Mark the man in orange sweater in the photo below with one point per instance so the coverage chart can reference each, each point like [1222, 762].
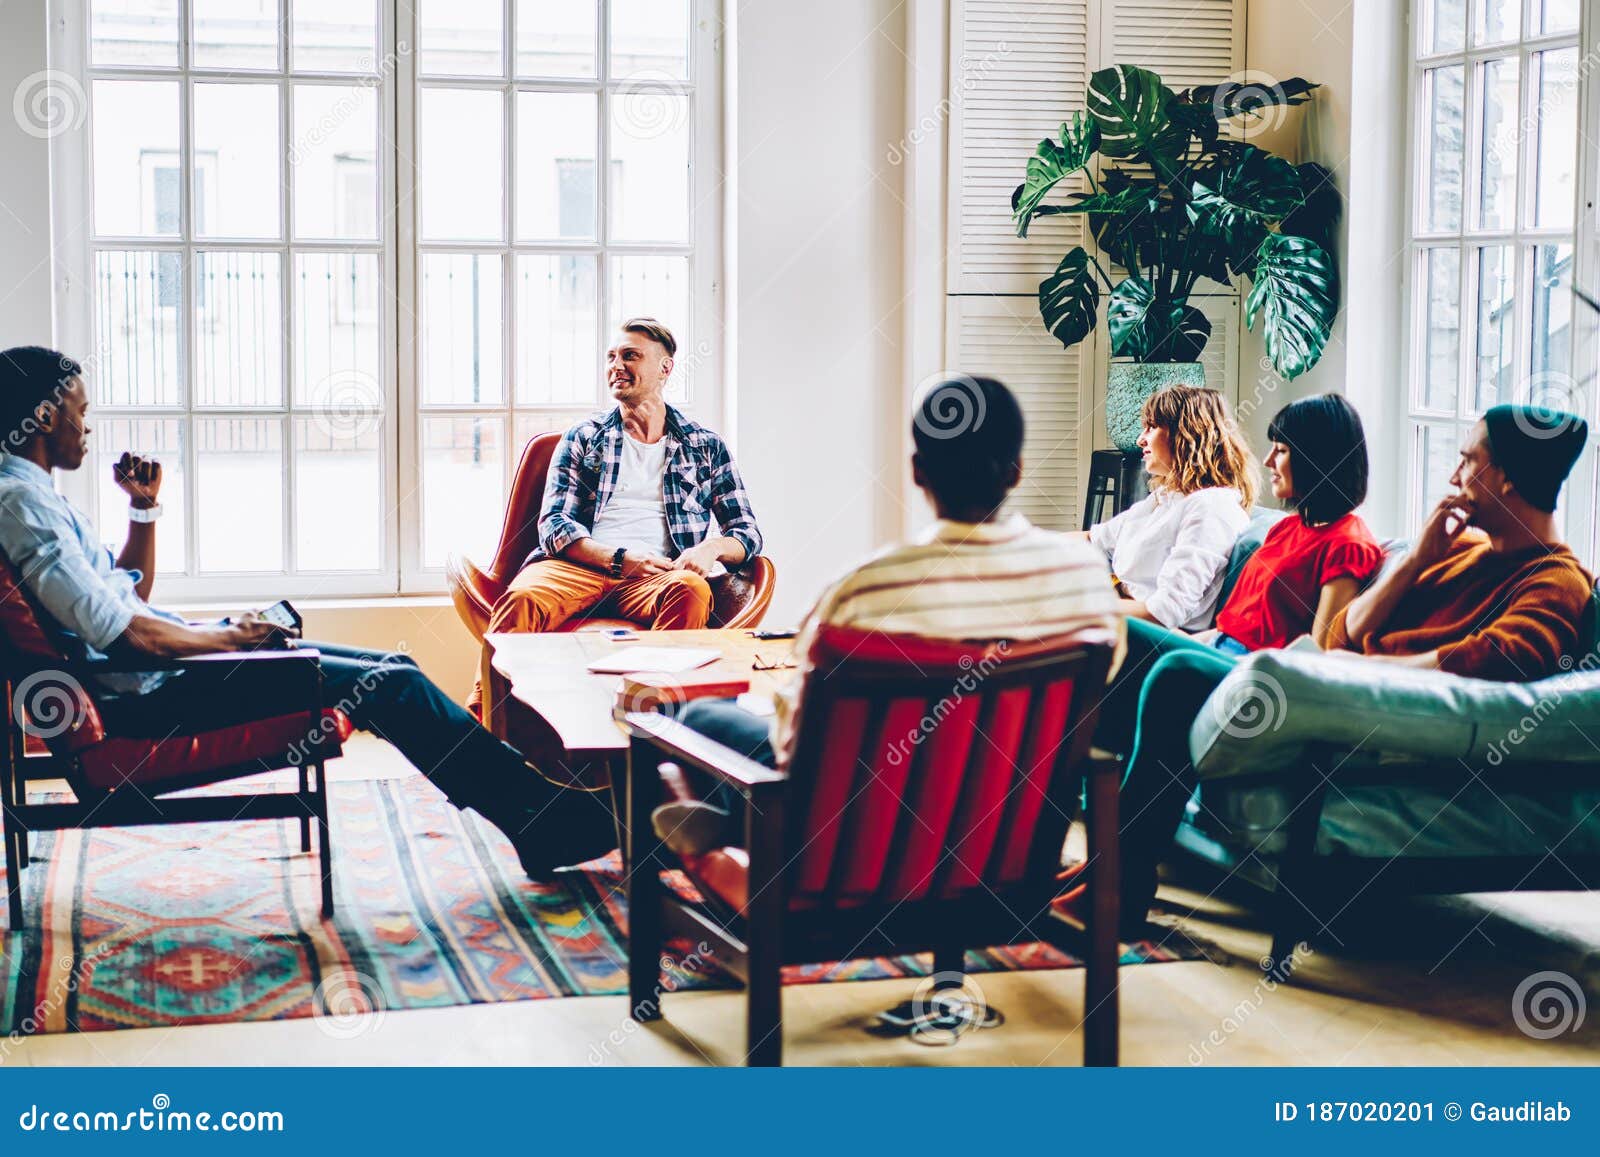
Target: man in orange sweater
[1489, 589]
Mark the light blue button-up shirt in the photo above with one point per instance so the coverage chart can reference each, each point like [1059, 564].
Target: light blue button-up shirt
[66, 568]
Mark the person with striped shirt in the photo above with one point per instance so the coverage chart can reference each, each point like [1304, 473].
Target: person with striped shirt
[977, 573]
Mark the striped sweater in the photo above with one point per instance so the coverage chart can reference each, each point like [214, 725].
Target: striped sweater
[996, 580]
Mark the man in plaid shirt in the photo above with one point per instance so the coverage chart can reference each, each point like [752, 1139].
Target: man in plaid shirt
[626, 528]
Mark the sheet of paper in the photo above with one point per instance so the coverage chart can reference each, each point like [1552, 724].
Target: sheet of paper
[665, 660]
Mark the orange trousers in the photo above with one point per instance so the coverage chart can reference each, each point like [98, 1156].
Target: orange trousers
[546, 594]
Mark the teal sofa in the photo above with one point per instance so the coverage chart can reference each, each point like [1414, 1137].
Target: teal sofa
[1323, 778]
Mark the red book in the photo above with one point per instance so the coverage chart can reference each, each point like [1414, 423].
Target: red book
[646, 691]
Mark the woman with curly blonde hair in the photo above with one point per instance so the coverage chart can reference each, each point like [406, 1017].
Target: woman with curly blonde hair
[1169, 551]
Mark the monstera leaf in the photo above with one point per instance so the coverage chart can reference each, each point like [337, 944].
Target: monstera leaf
[1129, 105]
[1238, 199]
[1236, 97]
[1069, 298]
[1148, 328]
[1295, 289]
[1049, 164]
[1126, 220]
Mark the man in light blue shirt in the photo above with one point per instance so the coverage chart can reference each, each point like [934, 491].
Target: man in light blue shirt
[101, 603]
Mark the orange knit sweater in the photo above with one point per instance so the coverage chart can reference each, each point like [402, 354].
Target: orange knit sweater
[1509, 617]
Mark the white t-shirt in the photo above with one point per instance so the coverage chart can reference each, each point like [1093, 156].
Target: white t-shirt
[635, 517]
[1171, 551]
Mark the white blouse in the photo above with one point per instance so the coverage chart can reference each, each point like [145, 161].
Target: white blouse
[1171, 551]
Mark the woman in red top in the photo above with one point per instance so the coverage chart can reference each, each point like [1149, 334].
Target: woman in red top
[1312, 564]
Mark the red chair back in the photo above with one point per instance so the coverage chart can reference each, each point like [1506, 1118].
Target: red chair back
[931, 769]
[35, 664]
[520, 532]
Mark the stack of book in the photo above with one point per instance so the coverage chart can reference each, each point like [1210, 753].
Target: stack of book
[651, 691]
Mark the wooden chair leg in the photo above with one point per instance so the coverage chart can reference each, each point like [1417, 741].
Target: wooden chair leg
[644, 884]
[305, 821]
[949, 964]
[1101, 1014]
[14, 877]
[25, 848]
[764, 1012]
[763, 830]
[324, 842]
[1296, 875]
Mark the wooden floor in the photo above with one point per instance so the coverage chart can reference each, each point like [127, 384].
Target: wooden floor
[1412, 983]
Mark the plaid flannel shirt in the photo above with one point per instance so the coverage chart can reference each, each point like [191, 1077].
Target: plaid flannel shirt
[701, 483]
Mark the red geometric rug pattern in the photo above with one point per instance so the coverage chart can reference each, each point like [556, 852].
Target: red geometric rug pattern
[205, 923]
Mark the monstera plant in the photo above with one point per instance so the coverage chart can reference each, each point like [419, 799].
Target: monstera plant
[1170, 200]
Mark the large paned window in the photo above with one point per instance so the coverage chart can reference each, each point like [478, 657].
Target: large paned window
[340, 259]
[1495, 233]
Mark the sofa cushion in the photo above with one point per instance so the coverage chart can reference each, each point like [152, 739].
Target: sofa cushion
[1262, 519]
[1276, 704]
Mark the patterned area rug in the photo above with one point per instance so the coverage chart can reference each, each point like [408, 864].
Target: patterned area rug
[204, 923]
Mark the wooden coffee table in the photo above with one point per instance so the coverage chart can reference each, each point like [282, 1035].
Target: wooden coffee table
[540, 698]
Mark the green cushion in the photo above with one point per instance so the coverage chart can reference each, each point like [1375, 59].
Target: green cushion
[1276, 704]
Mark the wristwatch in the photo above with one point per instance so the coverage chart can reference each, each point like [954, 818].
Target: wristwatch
[149, 514]
[616, 561]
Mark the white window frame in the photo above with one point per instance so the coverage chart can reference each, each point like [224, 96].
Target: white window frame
[1578, 503]
[402, 572]
[702, 248]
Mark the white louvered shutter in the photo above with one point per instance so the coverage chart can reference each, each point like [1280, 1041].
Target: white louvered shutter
[1018, 69]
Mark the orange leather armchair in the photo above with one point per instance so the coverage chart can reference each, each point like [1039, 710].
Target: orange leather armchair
[739, 599]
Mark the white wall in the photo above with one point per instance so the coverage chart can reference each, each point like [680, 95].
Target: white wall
[1356, 127]
[814, 249]
[25, 314]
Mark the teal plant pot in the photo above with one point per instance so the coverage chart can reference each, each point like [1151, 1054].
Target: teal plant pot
[1128, 384]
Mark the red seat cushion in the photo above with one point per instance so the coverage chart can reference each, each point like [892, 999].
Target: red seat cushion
[117, 762]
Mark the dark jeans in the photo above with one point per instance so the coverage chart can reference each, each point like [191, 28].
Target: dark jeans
[1146, 714]
[732, 726]
[384, 693]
